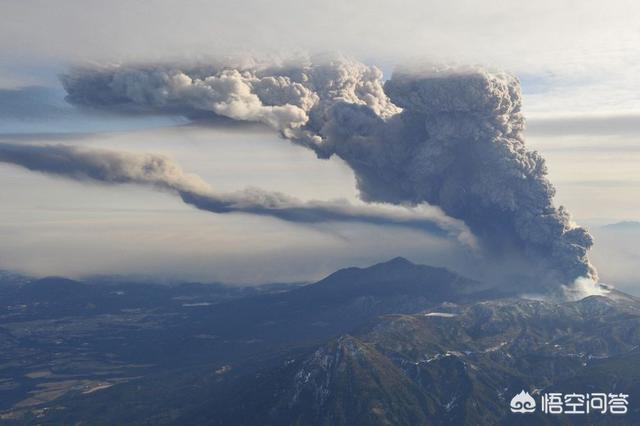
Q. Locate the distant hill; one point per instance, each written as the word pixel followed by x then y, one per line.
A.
pixel 54 288
pixel 627 225
pixel 341 302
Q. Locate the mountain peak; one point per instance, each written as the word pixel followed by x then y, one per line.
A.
pixel 625 225
pixel 395 278
pixel 53 287
pixel 397 261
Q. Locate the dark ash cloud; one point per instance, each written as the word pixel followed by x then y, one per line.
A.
pixel 448 137
pixel 115 167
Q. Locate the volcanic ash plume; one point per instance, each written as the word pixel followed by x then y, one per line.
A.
pixel 451 138
pixel 458 144
pixel 115 167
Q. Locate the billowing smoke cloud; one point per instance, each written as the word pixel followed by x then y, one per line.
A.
pixel 114 167
pixel 451 138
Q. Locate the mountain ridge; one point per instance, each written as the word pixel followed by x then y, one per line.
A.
pixel 393 343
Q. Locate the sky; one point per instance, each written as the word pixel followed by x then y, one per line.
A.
pixel 577 61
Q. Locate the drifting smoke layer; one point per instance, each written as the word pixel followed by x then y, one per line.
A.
pixel 451 138
pixel 113 167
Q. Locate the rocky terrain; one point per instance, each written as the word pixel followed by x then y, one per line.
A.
pixel 396 343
